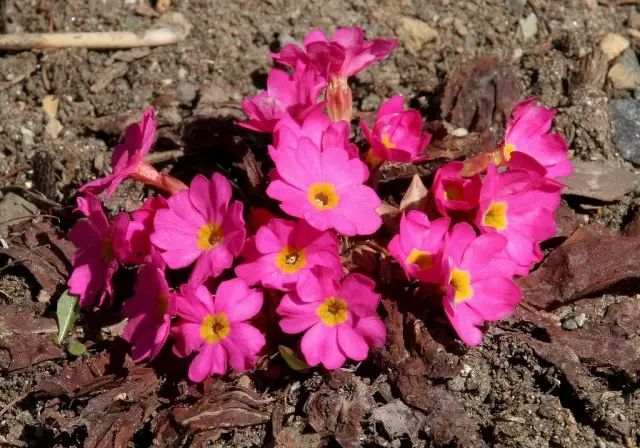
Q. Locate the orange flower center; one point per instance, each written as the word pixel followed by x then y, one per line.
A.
pixel 210 235
pixel 386 141
pixel 453 192
pixel 422 258
pixel 214 328
pixel 291 259
pixel 333 311
pixel 461 282
pixel 496 216
pixel 323 196
pixel 507 150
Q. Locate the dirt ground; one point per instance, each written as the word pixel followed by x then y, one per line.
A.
pixel 515 390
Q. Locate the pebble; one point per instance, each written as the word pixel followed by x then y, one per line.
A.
pixel 460 27
pixel 599 181
pixel 397 418
pixel 186 92
pixel 28 138
pixel 50 105
pixel 612 45
pixel 634 19
pixel 625 117
pixel 516 4
pixel 415 33
pixel 459 132
pixel 625 74
pixel 370 102
pixel 528 27
pixel 12 209
pixel 53 128
pixel 573 321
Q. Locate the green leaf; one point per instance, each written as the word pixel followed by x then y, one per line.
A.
pixel 77 349
pixel 67 312
pixel 292 359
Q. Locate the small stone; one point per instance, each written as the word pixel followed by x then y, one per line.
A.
pixel 371 102
pixel 186 92
pixel 28 138
pixel 625 74
pixel 459 132
pixel 634 19
pixel 398 419
pixel 598 181
pixel 569 325
pixel 528 27
pixel 13 210
pixel 625 118
pixel 516 4
pixel 573 321
pixel 460 27
pixel 612 45
pixel 472 384
pixel 50 106
pixel 415 33
pixel 53 128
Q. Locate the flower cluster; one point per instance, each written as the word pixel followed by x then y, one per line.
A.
pixel 474 236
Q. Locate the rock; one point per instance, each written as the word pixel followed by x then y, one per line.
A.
pixel 634 19
pixel 516 4
pixel 460 27
pixel 598 181
pixel 612 45
pixel 13 210
pixel 625 74
pixel 573 321
pixel 53 128
pixel 28 138
pixel 50 106
pixel 415 33
pixel 108 75
pixel 370 102
pixel 528 27
pixel 186 92
pixel 398 419
pixel 625 117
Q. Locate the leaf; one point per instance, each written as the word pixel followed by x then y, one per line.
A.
pixel 412 199
pixel 67 313
pixel 77 349
pixel 292 359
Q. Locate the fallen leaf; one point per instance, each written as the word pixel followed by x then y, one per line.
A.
pixel 67 312
pixel 77 349
pixel 412 199
pixel 598 181
pixel 292 359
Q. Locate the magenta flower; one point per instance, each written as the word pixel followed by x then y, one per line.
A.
pixel 295 94
pixel 323 132
pixel 528 132
pixel 452 194
pixel 339 320
pixel 397 134
pixel 284 250
pixel 519 204
pixel 140 230
pixel 479 282
pixel 419 244
pixel 98 245
pixel 128 162
pixel 326 189
pixel 200 225
pixel 149 310
pixel 216 328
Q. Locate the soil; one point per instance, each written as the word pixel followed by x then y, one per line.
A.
pixel 513 395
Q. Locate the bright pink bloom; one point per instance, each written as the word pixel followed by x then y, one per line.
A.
pixel 339 320
pixel 419 244
pixel 519 204
pixel 347 54
pixel 326 189
pixel 528 132
pixel 215 328
pixel 452 194
pixel 397 134
pixel 284 250
pixel 141 228
pixel 200 225
pixel 479 285
pixel 98 246
pixel 295 94
pixel 323 132
pixel 149 310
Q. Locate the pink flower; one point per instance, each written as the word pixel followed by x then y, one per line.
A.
pixel 347 54
pixel 397 134
pixel 149 310
pixel 326 189
pixel 95 261
pixel 140 229
pixel 519 204
pixel 419 244
pixel 528 132
pixel 318 128
pixel 452 194
pixel 339 320
pixel 215 328
pixel 128 161
pixel 295 94
pixel 200 225
pixel 283 250
pixel 479 285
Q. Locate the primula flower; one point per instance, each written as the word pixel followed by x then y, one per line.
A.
pixel 479 285
pixel 453 195
pixel 140 229
pixel 519 204
pixel 98 245
pixel 339 319
pixel 397 134
pixel 323 132
pixel 326 189
pixel 216 328
pixel 283 250
pixel 418 246
pixel 128 162
pixel 200 225
pixel 295 94
pixel 149 310
pixel 528 131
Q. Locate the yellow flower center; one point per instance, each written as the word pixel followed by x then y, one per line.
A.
pixel 162 302
pixel 386 141
pixel 496 216
pixel 422 258
pixel 461 282
pixel 291 259
pixel 323 196
pixel 210 235
pixel 333 311
pixel 215 327
pixel 507 150
pixel 106 249
pixel 453 192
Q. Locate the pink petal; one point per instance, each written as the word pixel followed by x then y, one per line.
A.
pixel 237 300
pixel 496 298
pixel 210 264
pixel 297 315
pixel 357 290
pixel 392 106
pixel 317 284
pixel 351 343
pixel 255 271
pixel 187 338
pixel 210 359
pixel 465 321
pixel 320 345
pixel 242 345
pixel 372 329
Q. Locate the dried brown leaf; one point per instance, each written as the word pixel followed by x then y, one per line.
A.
pixel 412 199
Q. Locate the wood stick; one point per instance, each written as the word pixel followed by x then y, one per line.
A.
pixel 103 40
